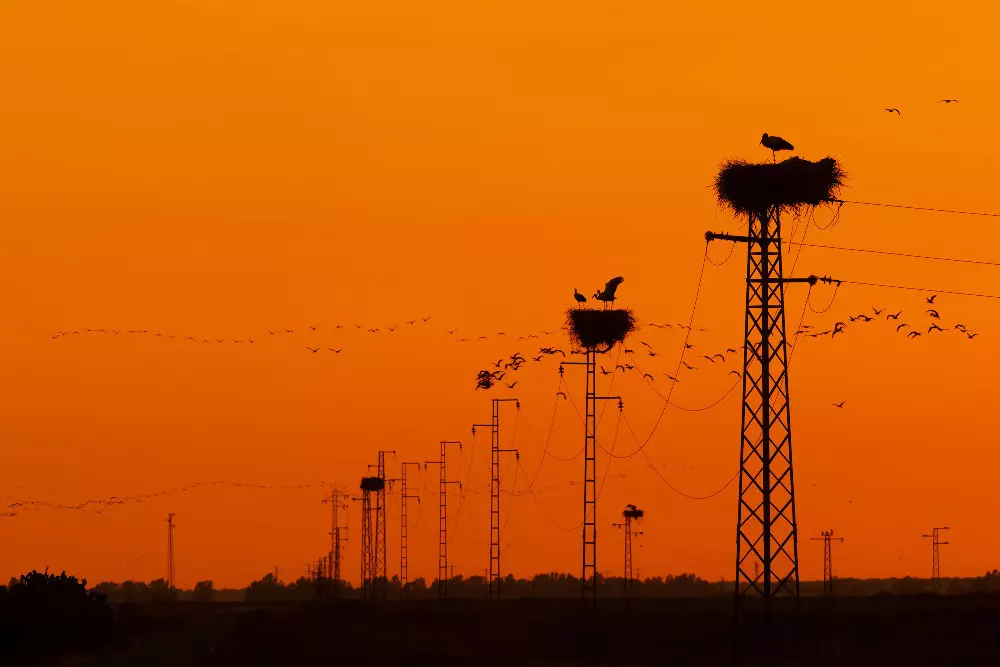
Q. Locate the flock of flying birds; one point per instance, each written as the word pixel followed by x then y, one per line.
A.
pixel 896 110
pixel 911 331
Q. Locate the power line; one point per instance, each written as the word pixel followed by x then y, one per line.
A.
pixel 895 254
pixel 921 289
pixel 917 208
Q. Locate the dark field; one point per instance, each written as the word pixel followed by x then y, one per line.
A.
pixel 884 630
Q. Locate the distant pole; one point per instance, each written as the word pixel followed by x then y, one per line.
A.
pixel 367 566
pixel 443 483
pixel 827 537
pixel 936 557
pixel 337 503
pixel 495 452
pixel 588 578
pixel 171 573
pixel 275 574
pixel 631 512
pixel 403 565
pixel 381 541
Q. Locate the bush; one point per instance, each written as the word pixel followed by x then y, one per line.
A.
pixel 203 591
pixel 43 614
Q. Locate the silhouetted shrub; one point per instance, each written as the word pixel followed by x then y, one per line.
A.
pixel 599 328
pixel 748 188
pixel 43 614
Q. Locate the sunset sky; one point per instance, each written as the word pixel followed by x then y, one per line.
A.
pixel 216 168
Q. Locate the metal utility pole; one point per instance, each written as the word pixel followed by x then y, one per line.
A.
pixel 588 578
pixel 936 557
pixel 442 464
pixel 766 528
pixel 495 453
pixel 381 542
pixel 828 539
pixel 336 504
pixel 631 513
pixel 171 573
pixel 367 551
pixel 403 573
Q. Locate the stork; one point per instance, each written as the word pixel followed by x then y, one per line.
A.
pixel 775 144
pixel 580 299
pixel 608 295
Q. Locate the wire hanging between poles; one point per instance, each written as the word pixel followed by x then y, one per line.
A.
pixel 918 208
pixel 921 289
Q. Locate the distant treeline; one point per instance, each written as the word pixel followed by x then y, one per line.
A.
pixel 553 585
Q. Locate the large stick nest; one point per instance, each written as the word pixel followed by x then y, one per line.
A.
pixel 599 328
pixel 749 188
pixel 372 483
pixel 633 512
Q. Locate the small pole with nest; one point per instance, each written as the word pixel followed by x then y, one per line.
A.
pixel 631 513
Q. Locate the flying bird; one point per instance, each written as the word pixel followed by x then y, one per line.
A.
pixel 904 324
pixel 512 384
pixel 736 373
pixel 647 375
pixel 314 350
pixel 839 405
pixel 335 350
pixel 451 332
pixel 947 101
pixel 312 327
pixel 877 311
pixel 775 144
pixel 393 327
pixel 934 327
pixel 913 334
pixel 971 335
pixel 604 372
pixel 561 393
pixel 893 110
pixel 891 316
pixel 646 344
pixel 426 319
pixel 930 299
pixel 933 313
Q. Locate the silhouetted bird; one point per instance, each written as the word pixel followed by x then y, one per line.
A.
pixel 913 334
pixel 971 335
pixel 289 330
pixel 312 327
pixel 930 299
pixel 904 324
pixel 893 110
pixel 960 327
pixel 688 346
pixel 314 350
pixel 947 101
pixel 411 321
pixel 426 319
pixel 393 327
pixel 538 358
pixel 561 393
pixel 934 327
pixel 671 377
pixel 646 344
pixel 688 366
pixel 579 297
pixel 512 385
pixel 335 351
pixel 839 405
pixel 620 366
pixel 270 332
pixel 608 294
pixel 628 351
pixel 934 314
pixel 890 316
pixel 877 311
pixel 775 144
pixel 652 354
pixel 736 373
pixel 705 356
pixel 604 372
pixel 647 375
pixel 719 355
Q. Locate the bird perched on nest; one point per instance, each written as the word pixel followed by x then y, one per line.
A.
pixel 775 144
pixel 610 287
pixel 580 299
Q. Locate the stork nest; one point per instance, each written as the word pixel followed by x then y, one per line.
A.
pixel 749 188
pixel 633 512
pixel 591 328
pixel 372 484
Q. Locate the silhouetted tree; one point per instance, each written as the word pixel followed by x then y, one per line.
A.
pixel 203 591
pixel 44 614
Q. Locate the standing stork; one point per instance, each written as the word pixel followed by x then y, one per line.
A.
pixel 580 299
pixel 775 144
pixel 608 295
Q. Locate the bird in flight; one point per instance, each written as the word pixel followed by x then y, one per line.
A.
pixel 561 393
pixel 947 101
pixel 393 327
pixel 960 327
pixel 877 311
pixel 314 350
pixel 904 324
pixel 705 356
pixel 538 358
pixel 934 327
pixel 688 366
pixel 736 373
pixel 893 110
pixel 373 330
pixel 604 372
pixel 512 384
pixel 499 363
pixel 839 405
pixel 411 321
pixel 425 319
pixel 671 377
pixel 451 332
pixel 312 327
pixel 335 351
pixel 775 144
pixel 930 299
pixel 891 316
pixel 970 335
pixel 933 313
pixel 652 354
pixel 628 351
pixel 647 375
pixel 688 346
pixel 646 344
pixel 621 367
pixel 289 330
pixel 913 334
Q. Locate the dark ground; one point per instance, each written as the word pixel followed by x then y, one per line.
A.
pixel 882 630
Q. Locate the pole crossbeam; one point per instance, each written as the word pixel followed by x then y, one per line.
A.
pixel 495 451
pixel 588 576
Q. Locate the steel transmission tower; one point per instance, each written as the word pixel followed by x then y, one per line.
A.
pixel 367 555
pixel 403 572
pixel 828 539
pixel 442 464
pixel 631 513
pixel 171 573
pixel 588 578
pixel 336 504
pixel 495 452
pixel 766 526
pixel 936 557
pixel 379 579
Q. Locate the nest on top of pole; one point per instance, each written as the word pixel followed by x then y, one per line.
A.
pixel 601 329
pixel 632 512
pixel 372 483
pixel 751 189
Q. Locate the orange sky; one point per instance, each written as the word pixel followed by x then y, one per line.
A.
pixel 218 168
